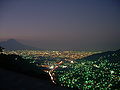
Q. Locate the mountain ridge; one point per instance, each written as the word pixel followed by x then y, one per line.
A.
pixel 12 44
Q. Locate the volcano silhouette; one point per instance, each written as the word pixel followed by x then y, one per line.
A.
pixel 13 44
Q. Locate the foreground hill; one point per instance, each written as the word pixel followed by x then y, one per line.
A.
pixel 12 44
pixel 16 81
pixel 19 64
pixel 21 74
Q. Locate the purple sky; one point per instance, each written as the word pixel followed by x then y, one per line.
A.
pixel 62 24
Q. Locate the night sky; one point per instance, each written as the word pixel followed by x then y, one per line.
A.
pixel 62 24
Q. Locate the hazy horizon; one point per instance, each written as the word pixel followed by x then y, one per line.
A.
pixel 62 24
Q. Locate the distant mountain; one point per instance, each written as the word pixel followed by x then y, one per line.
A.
pixel 12 44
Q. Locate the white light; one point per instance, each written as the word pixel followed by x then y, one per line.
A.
pixel 71 62
pixel 64 66
pixel 51 67
pixel 111 72
pixel 96 66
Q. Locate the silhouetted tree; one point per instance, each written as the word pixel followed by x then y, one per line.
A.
pixel 1 49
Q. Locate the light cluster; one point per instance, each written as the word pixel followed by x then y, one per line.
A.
pixel 88 74
pixel 74 69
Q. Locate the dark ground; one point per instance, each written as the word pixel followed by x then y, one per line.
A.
pixel 17 81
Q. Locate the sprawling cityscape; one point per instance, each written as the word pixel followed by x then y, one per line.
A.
pixel 75 69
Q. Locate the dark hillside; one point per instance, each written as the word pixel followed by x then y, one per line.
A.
pixel 112 56
pixel 17 73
